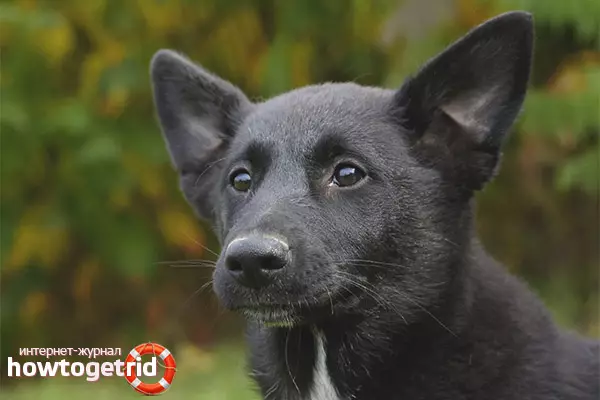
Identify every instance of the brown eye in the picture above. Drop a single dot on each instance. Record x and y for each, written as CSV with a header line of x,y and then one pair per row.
x,y
347,175
241,180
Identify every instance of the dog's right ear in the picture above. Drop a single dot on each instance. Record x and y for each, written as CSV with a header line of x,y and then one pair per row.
x,y
460,105
199,114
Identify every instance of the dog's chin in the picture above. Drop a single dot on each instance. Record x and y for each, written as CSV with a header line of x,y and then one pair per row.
x,y
273,316
291,315
273,309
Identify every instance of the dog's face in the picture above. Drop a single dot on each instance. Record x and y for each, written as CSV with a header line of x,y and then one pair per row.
x,y
337,198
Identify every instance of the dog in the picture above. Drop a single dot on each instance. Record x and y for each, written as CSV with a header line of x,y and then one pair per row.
x,y
345,215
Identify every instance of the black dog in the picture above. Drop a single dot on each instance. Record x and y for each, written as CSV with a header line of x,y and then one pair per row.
x,y
346,218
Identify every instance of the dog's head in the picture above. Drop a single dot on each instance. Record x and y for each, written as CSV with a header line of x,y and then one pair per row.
x,y
337,194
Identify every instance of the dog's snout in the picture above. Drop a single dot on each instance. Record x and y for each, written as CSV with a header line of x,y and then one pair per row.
x,y
254,260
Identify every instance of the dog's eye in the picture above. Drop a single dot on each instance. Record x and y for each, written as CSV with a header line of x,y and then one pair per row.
x,y
241,180
347,175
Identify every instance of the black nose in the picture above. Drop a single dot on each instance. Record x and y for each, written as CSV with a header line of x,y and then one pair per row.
x,y
254,260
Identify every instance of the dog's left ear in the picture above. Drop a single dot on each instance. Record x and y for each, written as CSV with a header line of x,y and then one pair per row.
x,y
199,114
461,104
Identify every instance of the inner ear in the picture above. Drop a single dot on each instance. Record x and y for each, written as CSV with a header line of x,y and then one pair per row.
x,y
471,110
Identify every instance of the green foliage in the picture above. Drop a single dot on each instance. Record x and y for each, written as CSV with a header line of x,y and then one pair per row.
x,y
580,14
90,204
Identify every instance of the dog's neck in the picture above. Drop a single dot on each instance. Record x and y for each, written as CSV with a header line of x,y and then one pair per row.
x,y
331,362
457,347
333,359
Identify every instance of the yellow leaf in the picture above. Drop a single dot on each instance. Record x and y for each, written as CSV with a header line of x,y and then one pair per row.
x,y
473,12
151,183
367,22
113,51
120,198
55,42
5,34
239,41
110,53
27,4
84,277
53,244
181,229
88,15
161,16
301,59
38,240
91,70
33,306
199,15
23,247
149,177
570,76
115,102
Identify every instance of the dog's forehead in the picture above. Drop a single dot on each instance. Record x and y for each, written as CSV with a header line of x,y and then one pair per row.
x,y
298,118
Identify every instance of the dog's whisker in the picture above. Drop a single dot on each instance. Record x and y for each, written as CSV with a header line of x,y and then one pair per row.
x,y
197,292
366,262
451,242
207,169
196,263
192,261
287,364
189,264
272,390
349,278
201,245
192,266
406,297
330,299
371,292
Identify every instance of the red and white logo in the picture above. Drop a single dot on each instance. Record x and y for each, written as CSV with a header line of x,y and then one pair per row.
x,y
133,368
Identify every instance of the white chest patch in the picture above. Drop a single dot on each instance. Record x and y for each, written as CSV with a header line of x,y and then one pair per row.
x,y
322,386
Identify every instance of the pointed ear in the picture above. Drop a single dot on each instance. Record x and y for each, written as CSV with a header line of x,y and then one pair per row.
x,y
199,114
461,104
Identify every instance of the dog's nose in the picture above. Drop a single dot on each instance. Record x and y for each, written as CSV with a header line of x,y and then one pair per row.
x,y
254,260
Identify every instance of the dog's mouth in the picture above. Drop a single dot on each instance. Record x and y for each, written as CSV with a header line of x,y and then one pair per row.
x,y
276,316
297,313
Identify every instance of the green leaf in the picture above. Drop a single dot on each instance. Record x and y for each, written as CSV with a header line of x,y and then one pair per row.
x,y
100,149
277,78
581,172
582,15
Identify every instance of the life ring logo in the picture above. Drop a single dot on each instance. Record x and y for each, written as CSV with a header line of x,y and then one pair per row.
x,y
133,368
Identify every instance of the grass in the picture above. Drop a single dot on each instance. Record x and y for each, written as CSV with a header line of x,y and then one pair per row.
x,y
218,375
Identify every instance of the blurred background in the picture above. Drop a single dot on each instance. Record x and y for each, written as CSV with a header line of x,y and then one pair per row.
x,y
90,208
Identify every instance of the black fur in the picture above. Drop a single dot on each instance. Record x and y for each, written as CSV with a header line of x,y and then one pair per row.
x,y
389,272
